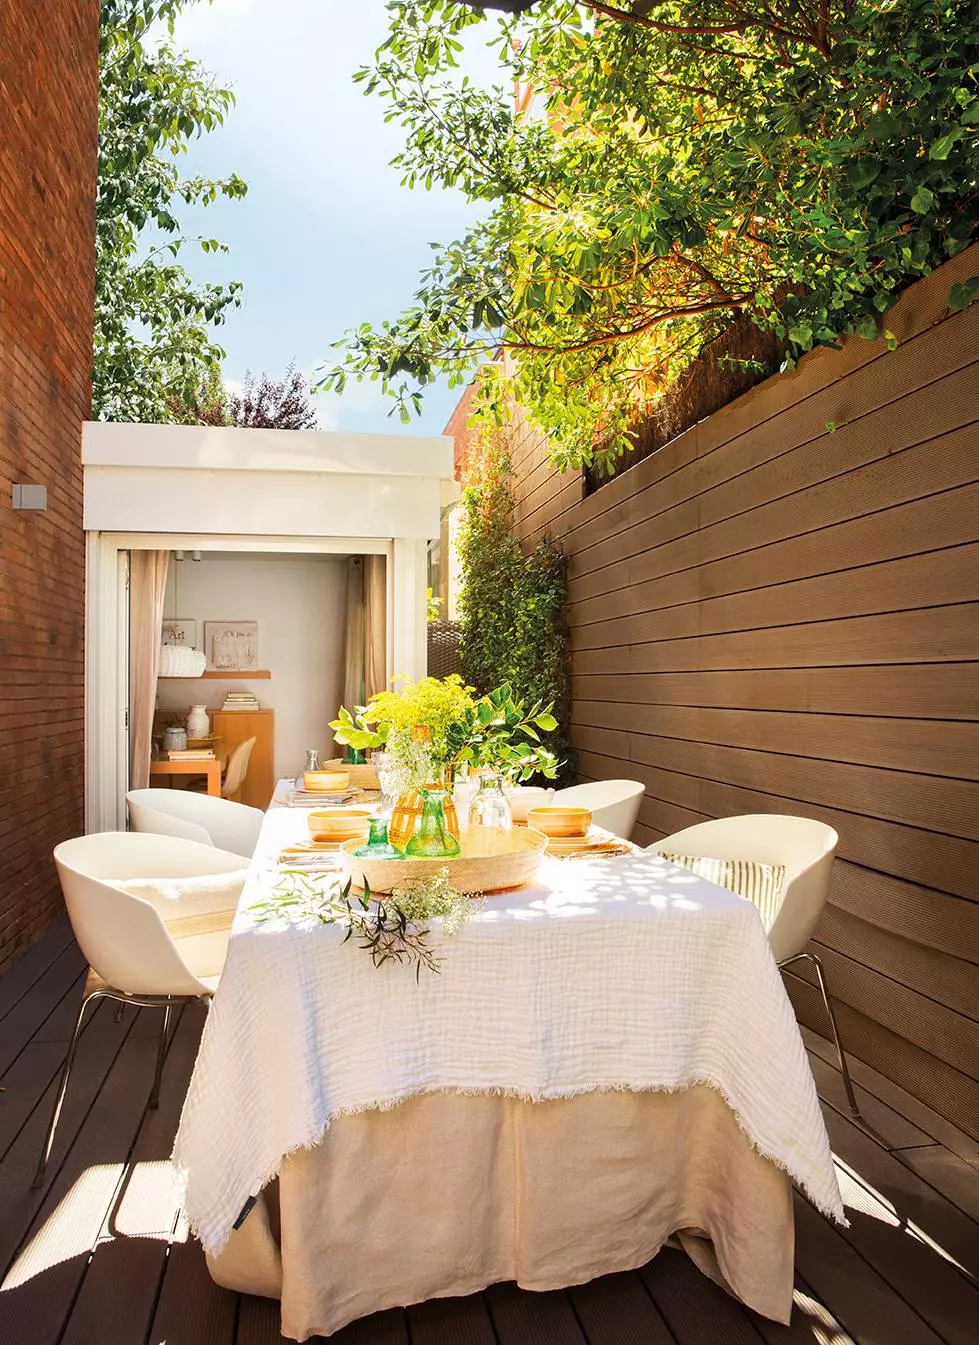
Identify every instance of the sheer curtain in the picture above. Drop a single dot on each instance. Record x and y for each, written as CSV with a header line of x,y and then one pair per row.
x,y
365,643
375,624
353,648
147,583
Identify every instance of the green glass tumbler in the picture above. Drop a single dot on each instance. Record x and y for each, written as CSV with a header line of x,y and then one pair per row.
x,y
433,839
378,846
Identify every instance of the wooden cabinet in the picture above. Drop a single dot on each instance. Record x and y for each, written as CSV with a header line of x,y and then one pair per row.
x,y
234,727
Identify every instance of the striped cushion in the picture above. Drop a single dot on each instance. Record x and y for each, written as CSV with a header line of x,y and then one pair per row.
x,y
760,883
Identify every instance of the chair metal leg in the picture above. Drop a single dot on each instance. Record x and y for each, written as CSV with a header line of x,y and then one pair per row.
x,y
851,1098
62,1089
161,1051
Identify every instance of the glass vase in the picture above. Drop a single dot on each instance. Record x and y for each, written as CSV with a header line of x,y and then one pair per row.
x,y
354,756
378,846
433,839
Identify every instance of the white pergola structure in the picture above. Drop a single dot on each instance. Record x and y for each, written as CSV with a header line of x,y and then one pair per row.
x,y
205,488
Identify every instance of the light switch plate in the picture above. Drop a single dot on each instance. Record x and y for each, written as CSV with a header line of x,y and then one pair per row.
x,y
30,497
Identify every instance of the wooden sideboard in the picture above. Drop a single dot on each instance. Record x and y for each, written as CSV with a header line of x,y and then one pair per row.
x,y
234,727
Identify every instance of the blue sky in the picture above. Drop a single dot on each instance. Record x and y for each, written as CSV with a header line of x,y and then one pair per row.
x,y
326,237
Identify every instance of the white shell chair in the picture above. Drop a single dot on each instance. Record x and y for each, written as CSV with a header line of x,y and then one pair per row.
x,y
134,953
614,804
196,817
807,849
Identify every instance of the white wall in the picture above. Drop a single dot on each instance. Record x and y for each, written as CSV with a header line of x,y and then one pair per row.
x,y
283,483
299,603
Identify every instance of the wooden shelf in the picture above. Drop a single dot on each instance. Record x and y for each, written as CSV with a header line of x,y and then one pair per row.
x,y
256,674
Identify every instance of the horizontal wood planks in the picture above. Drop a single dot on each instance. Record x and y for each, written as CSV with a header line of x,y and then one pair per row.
x,y
779,612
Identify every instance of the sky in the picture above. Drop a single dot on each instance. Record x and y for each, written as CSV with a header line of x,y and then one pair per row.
x,y
326,237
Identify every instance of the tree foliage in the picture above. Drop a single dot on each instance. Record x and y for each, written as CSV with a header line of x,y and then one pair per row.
x,y
273,403
154,344
795,162
261,404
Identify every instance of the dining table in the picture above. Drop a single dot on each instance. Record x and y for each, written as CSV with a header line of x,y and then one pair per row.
x,y
604,1061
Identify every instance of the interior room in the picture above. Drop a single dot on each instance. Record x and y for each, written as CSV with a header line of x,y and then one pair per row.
x,y
295,619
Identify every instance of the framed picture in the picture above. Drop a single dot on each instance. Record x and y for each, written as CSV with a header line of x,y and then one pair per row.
x,y
178,630
231,646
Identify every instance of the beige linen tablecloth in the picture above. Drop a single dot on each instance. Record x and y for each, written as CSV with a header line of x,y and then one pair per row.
x,y
447,1194
605,1058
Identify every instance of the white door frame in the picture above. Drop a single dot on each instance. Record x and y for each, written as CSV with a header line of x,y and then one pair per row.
x,y
106,692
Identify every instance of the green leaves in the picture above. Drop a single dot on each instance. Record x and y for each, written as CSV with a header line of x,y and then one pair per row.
x,y
961,296
666,184
514,619
922,200
153,339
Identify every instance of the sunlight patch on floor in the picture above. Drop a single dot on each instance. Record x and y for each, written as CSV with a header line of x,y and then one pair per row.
x,y
85,1219
825,1329
860,1195
149,1204
72,1227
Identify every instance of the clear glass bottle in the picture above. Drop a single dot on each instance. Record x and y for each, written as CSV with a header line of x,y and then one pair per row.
x,y
490,819
312,759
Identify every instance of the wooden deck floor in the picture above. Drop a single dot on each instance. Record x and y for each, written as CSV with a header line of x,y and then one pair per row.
x,y
100,1256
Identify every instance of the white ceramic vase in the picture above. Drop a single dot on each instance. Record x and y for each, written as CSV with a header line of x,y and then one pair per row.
x,y
198,724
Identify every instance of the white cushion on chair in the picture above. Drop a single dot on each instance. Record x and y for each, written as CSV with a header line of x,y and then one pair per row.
x,y
178,898
197,913
761,884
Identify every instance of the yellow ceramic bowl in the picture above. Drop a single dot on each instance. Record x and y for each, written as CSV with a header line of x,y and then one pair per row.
x,y
326,782
560,821
340,824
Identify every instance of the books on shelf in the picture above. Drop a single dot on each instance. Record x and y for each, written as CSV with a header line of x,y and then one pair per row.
x,y
241,700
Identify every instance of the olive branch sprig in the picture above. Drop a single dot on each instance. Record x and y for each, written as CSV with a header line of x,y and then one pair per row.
x,y
390,928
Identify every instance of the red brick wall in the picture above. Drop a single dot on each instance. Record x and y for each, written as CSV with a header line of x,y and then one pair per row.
x,y
48,116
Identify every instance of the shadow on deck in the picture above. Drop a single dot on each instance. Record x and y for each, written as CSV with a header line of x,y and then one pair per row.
x,y
101,1256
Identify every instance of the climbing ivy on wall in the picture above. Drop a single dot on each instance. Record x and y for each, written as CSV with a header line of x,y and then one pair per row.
x,y
514,605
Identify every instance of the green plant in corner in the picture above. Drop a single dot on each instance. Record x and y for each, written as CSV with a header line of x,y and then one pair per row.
x,y
514,606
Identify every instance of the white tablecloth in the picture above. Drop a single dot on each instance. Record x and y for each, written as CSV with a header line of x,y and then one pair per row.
x,y
607,974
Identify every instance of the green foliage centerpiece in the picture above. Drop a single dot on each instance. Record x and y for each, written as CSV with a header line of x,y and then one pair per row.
x,y
436,727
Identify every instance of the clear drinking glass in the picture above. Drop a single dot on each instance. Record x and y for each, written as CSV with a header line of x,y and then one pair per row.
x,y
390,777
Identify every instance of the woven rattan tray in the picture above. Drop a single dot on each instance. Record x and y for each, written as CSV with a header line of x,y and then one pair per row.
x,y
514,862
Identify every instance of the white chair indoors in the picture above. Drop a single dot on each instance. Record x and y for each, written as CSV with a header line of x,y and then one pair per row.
x,y
806,849
151,915
614,804
196,817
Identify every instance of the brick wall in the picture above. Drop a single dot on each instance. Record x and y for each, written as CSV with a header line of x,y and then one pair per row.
x,y
48,112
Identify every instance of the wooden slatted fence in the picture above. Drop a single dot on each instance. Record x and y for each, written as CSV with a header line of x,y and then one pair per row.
x,y
779,612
